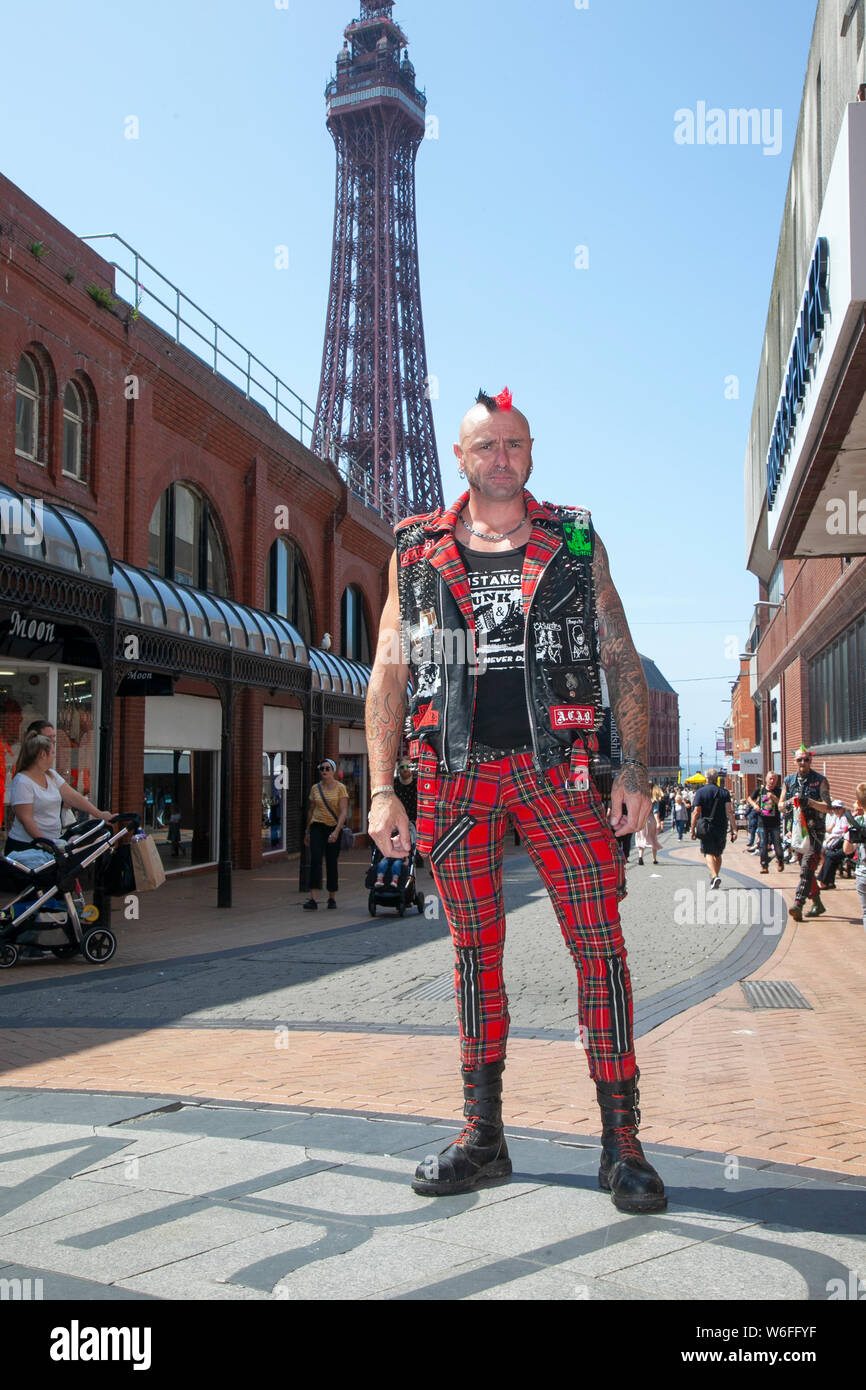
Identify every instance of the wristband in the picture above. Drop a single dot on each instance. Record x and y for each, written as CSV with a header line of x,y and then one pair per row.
x,y
377,791
636,762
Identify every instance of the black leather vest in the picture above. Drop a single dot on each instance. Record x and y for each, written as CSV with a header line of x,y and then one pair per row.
x,y
561,658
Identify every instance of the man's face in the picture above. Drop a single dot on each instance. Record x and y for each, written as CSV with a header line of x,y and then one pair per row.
x,y
804,766
771,782
496,451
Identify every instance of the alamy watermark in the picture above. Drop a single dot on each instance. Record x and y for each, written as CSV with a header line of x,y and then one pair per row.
x,y
737,126
22,516
846,517
745,907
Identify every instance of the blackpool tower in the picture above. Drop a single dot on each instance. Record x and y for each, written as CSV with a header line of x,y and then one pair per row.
x,y
373,413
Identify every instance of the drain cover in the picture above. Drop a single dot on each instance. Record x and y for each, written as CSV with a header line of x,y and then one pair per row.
x,y
440,988
773,994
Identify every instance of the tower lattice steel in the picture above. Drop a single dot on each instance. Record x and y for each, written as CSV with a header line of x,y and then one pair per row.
x,y
373,412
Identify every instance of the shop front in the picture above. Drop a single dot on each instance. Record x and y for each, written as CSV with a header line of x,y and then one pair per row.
x,y
56,644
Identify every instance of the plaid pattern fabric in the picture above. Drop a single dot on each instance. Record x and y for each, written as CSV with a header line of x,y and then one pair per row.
x,y
567,836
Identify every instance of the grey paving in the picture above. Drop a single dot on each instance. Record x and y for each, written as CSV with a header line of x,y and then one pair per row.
x,y
253,1204
364,974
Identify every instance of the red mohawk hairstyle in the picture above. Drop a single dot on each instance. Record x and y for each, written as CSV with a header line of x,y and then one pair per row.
x,y
503,401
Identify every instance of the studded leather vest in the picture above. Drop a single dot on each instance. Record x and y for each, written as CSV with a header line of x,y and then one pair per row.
x,y
561,653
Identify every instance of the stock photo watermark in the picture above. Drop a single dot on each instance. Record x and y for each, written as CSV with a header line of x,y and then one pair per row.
x,y
713,125
846,517
22,516
737,907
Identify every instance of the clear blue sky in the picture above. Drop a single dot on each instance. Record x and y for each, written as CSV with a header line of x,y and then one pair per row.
x,y
556,130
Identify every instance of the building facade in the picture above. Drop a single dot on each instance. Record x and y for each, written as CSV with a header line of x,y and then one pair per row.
x,y
805,474
188,591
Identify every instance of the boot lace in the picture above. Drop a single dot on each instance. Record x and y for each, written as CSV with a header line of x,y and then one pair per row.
x,y
628,1144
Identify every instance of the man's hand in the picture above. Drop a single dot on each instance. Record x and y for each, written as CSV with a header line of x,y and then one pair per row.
x,y
630,801
388,826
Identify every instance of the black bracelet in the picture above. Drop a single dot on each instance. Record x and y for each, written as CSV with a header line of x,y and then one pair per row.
x,y
636,762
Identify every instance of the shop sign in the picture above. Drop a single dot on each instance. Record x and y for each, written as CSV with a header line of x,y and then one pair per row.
x,y
34,638
145,683
807,340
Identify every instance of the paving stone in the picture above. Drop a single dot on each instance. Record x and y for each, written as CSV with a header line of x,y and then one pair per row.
x,y
215,1168
246,1269
507,1280
377,1262
130,1233
66,1288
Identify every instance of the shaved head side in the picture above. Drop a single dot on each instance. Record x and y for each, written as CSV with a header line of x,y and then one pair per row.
x,y
479,413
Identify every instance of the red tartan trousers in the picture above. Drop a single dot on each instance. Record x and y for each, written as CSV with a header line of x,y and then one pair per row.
x,y
461,824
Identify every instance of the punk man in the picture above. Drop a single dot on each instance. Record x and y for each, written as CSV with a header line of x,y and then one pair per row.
x,y
808,794
503,613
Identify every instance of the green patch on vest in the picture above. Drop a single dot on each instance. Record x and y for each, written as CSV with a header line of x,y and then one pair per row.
x,y
577,538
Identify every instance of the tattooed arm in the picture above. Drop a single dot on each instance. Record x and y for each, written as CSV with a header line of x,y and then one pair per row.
x,y
630,799
385,711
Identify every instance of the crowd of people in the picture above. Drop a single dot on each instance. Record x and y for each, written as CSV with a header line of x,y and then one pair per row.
x,y
793,819
782,819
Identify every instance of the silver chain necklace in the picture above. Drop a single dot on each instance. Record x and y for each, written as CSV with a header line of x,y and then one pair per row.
x,y
491,535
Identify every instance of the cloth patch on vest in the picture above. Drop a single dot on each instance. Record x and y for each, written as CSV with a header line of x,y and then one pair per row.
x,y
577,643
572,716
577,538
416,553
548,641
426,718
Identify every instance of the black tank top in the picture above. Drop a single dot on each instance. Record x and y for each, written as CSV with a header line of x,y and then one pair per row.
x,y
501,719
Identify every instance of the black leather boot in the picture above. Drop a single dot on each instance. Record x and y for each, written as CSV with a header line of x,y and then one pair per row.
x,y
479,1153
633,1183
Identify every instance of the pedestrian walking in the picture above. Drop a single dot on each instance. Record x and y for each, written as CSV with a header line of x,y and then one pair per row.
x,y
648,838
808,795
765,803
527,584
327,809
712,817
681,815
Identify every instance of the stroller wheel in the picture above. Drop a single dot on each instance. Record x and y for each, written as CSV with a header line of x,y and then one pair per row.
x,y
8,955
419,901
371,905
99,946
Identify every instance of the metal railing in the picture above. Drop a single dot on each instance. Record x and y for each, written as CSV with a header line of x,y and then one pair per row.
x,y
358,483
191,327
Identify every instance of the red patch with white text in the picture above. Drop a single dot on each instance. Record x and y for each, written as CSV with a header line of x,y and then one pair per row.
x,y
411,557
572,716
426,718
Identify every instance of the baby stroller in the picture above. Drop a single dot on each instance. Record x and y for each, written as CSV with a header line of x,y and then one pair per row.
x,y
48,915
401,894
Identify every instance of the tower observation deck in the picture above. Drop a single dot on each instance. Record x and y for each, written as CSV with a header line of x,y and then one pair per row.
x,y
373,413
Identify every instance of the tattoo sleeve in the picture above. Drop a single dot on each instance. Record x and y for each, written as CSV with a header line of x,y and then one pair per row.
x,y
385,707
626,682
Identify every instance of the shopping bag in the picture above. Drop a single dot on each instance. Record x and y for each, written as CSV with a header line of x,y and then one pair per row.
x,y
147,865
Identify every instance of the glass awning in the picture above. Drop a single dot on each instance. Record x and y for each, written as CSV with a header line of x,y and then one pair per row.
x,y
37,530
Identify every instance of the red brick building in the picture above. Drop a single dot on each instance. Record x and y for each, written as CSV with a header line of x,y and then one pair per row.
x,y
664,725
187,541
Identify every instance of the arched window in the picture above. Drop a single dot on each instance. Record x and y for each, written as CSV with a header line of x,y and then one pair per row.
x,y
183,542
73,433
354,638
27,420
286,589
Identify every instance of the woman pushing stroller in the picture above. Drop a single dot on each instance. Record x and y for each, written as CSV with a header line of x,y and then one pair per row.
x,y
38,793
